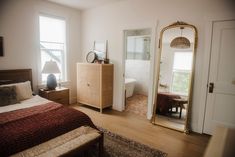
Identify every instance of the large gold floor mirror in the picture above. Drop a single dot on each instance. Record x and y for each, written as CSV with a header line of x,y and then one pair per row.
x,y
175,74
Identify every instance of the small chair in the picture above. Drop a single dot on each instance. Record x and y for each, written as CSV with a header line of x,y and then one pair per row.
x,y
178,103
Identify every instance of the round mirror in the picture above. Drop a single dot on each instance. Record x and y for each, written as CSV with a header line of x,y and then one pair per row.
x,y
173,98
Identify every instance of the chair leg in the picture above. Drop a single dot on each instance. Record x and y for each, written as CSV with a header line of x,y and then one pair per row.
x,y
180,112
171,108
125,99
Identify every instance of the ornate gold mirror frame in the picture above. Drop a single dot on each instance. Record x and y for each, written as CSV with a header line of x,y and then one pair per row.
x,y
190,90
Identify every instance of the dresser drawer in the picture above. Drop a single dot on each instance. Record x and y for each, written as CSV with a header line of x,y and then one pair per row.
x,y
58,95
64,101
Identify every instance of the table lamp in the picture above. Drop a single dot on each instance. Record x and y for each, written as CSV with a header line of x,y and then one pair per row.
x,y
51,68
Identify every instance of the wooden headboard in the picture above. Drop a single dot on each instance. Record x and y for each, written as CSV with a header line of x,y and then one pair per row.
x,y
15,76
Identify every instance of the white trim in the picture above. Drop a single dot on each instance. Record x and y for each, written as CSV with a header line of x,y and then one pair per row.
x,y
205,75
38,53
63,84
206,63
64,54
50,15
123,69
154,45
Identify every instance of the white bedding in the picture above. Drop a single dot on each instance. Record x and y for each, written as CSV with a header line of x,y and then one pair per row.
x,y
33,101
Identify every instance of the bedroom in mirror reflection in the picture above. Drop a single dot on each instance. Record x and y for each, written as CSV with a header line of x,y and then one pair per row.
x,y
175,73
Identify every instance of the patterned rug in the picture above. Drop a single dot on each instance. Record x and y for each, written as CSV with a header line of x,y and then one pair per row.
x,y
119,146
137,104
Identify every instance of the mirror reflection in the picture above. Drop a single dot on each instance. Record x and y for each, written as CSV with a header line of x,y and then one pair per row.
x,y
175,77
138,44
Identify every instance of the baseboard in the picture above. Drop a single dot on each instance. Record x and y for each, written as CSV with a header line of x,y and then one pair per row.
x,y
149,116
194,127
117,108
73,100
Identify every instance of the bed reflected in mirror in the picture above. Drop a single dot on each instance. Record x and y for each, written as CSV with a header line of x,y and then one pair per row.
x,y
175,76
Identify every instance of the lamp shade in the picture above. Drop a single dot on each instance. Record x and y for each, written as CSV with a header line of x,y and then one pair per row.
x,y
50,67
180,42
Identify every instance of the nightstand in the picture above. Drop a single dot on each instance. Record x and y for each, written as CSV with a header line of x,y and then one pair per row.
x,y
59,95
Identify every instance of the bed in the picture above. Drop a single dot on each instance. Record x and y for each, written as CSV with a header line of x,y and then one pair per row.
x,y
39,127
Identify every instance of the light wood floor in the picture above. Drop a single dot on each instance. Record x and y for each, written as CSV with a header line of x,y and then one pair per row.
x,y
137,128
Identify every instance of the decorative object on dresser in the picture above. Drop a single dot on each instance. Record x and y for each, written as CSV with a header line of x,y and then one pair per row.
x,y
100,48
95,85
51,68
59,95
91,57
99,53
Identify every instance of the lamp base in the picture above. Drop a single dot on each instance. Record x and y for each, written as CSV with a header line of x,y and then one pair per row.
x,y
51,82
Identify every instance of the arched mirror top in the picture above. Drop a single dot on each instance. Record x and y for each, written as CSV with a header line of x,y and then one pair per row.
x,y
179,29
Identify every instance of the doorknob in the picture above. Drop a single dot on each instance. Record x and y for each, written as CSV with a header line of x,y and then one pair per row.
x,y
211,87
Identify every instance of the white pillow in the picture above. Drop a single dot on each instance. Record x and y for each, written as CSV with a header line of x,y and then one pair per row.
x,y
23,90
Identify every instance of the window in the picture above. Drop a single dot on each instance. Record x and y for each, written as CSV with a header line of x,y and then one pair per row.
x,y
181,72
53,44
138,47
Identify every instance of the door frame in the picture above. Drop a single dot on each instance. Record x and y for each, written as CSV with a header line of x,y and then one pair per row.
x,y
153,56
210,19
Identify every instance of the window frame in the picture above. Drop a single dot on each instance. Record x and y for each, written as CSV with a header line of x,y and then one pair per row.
x,y
64,75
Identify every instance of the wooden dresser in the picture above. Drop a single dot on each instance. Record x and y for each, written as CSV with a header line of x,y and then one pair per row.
x,y
95,84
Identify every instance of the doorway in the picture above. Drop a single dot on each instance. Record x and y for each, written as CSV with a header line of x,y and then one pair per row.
x,y
137,70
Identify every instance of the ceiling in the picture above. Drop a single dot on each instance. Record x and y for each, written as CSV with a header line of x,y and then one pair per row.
x,y
83,4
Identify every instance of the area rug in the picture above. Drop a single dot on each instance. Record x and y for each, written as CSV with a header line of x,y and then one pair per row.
x,y
119,146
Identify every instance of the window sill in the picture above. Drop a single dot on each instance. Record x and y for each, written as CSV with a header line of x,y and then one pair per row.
x,y
63,83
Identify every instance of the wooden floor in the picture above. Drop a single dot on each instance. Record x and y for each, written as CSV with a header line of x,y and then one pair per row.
x,y
137,128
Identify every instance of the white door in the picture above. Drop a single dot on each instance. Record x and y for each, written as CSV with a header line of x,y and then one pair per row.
x,y
220,105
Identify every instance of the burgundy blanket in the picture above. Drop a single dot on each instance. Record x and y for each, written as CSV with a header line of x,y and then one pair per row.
x,y
25,128
164,101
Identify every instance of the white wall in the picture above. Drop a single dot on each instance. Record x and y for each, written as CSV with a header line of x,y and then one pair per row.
x,y
19,26
139,70
109,21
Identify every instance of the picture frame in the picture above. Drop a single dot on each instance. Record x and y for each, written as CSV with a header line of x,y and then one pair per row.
x,y
100,48
1,46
